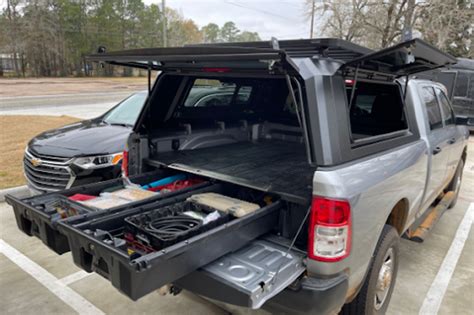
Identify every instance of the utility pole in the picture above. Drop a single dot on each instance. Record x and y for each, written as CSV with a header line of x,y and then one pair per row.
x,y
313,4
163,6
313,8
407,32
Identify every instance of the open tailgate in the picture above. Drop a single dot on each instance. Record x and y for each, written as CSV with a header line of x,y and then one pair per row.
x,y
248,277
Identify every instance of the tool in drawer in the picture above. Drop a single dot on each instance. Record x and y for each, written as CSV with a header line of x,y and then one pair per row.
x,y
58,209
105,202
131,193
165,181
172,227
235,207
81,197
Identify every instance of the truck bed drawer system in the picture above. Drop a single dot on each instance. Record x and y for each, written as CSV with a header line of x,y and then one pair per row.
x,y
38,216
143,245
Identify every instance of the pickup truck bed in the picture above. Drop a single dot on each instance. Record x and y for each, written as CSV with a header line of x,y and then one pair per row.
x,y
276,166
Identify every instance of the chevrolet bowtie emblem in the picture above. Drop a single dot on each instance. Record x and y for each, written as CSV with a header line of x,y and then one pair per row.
x,y
36,162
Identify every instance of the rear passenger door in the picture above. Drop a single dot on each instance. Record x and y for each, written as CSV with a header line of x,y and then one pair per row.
x,y
454,137
438,142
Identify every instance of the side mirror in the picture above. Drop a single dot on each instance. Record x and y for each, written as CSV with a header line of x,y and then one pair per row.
x,y
461,120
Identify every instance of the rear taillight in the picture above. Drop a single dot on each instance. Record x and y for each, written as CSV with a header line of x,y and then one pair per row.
x,y
329,229
125,164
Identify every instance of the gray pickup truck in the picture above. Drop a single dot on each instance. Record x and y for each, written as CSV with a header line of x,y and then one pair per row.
x,y
325,155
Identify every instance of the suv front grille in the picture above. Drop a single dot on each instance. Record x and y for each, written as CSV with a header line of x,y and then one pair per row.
x,y
47,173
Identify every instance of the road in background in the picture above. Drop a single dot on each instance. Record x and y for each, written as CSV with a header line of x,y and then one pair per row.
x,y
81,105
78,97
21,87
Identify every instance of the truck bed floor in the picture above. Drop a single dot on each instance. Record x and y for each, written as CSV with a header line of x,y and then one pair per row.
x,y
276,166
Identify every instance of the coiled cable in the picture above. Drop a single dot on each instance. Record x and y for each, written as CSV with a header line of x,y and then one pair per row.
x,y
171,227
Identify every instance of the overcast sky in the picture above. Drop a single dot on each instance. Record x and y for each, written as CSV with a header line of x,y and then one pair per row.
x,y
279,18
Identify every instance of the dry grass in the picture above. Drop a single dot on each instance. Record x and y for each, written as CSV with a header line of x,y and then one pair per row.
x,y
16,131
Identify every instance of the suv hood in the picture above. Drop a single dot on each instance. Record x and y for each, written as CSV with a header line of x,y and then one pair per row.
x,y
89,137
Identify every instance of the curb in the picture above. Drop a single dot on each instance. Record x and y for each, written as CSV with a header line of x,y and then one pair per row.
x,y
16,191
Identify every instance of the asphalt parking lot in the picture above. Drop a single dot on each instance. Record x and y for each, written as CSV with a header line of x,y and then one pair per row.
x,y
436,274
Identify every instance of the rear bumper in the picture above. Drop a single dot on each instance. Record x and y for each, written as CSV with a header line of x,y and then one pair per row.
x,y
313,296
309,296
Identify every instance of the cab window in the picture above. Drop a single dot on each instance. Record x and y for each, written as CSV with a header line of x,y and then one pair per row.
x,y
432,108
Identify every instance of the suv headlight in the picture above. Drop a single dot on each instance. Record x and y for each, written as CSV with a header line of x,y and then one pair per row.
x,y
98,161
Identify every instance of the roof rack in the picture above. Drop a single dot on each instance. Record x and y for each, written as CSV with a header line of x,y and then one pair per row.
x,y
299,48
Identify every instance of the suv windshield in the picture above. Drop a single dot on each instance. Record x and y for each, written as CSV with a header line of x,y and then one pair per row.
x,y
126,113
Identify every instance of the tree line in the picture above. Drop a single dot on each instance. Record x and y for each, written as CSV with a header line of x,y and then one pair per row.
x,y
51,37
447,24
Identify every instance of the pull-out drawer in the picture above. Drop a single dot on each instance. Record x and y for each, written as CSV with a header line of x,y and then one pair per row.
x,y
38,216
103,244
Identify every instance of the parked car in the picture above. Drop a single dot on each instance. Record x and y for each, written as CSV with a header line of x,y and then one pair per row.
x,y
459,81
310,180
83,152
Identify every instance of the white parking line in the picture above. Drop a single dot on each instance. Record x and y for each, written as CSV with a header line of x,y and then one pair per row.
x,y
438,288
74,277
62,291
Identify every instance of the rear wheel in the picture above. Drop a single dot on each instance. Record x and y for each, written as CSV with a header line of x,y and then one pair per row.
x,y
455,184
377,289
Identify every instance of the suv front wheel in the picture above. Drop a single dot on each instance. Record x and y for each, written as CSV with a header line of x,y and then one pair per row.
x,y
377,289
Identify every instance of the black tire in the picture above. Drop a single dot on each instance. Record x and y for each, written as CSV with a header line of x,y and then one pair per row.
x,y
455,184
365,301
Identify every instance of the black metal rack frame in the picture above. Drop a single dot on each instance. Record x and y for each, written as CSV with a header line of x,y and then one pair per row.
x,y
154,58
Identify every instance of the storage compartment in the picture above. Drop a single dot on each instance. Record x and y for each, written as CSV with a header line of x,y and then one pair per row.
x,y
137,259
168,225
38,215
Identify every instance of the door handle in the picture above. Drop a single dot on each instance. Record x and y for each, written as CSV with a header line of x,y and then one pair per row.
x,y
436,150
452,141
